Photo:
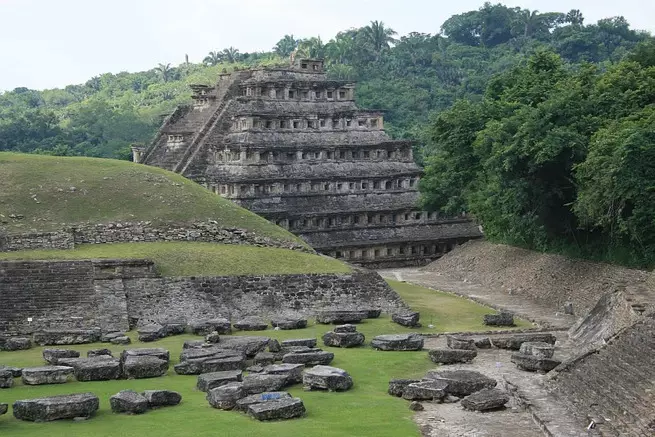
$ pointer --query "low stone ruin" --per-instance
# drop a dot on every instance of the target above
(326, 378)
(131, 402)
(461, 382)
(152, 332)
(162, 398)
(515, 341)
(397, 386)
(538, 349)
(194, 361)
(50, 337)
(208, 381)
(206, 326)
(502, 319)
(426, 390)
(52, 356)
(144, 363)
(70, 406)
(536, 356)
(289, 323)
(309, 357)
(398, 342)
(343, 336)
(46, 375)
(250, 323)
(306, 342)
(15, 344)
(409, 319)
(98, 368)
(451, 356)
(456, 342)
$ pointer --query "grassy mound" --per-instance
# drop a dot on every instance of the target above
(198, 259)
(51, 192)
(365, 410)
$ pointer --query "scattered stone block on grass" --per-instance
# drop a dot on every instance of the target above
(156, 352)
(533, 363)
(207, 326)
(162, 398)
(274, 345)
(373, 313)
(249, 345)
(483, 343)
(343, 339)
(397, 386)
(106, 338)
(56, 407)
(194, 344)
(174, 327)
(515, 341)
(121, 340)
(3, 409)
(46, 375)
(502, 319)
(398, 342)
(251, 323)
(152, 332)
(17, 344)
(207, 381)
(293, 372)
(307, 342)
(432, 390)
(243, 403)
(451, 356)
(144, 366)
(455, 342)
(98, 353)
(416, 406)
(100, 368)
(409, 319)
(485, 400)
(538, 349)
(213, 337)
(209, 359)
(49, 337)
(337, 316)
(279, 409)
(287, 324)
(52, 356)
(345, 328)
(462, 382)
(129, 401)
(311, 357)
(226, 396)
(261, 382)
(326, 378)
(6, 379)
(264, 359)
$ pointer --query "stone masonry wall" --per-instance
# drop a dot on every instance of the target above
(129, 232)
(112, 293)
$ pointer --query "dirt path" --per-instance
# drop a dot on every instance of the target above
(521, 306)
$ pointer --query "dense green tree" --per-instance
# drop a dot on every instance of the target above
(164, 71)
(285, 46)
(213, 58)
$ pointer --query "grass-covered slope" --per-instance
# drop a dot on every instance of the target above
(199, 259)
(51, 192)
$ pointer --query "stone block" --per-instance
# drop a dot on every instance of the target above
(194, 344)
(213, 337)
(373, 313)
(462, 382)
(538, 349)
(485, 400)
(308, 342)
(451, 356)
(515, 341)
(162, 398)
(286, 324)
(274, 345)
(251, 323)
(121, 340)
(397, 386)
(432, 390)
(129, 401)
(46, 375)
(6, 379)
(226, 396)
(17, 344)
(152, 332)
(293, 372)
(502, 319)
(343, 339)
(339, 317)
(206, 326)
(409, 319)
(52, 356)
(533, 363)
(264, 359)
(3, 409)
(278, 409)
(345, 328)
(311, 357)
(260, 383)
(15, 371)
(144, 366)
(249, 345)
(102, 368)
(49, 337)
(483, 343)
(398, 342)
(243, 403)
(156, 352)
(207, 381)
(56, 407)
(455, 342)
(98, 352)
(174, 328)
(106, 338)
(326, 378)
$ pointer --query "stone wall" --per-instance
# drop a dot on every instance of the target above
(112, 294)
(130, 232)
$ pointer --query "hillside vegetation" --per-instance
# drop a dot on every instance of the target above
(198, 259)
(41, 193)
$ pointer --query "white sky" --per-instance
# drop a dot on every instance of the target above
(53, 43)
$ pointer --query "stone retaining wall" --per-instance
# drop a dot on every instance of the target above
(130, 232)
(112, 294)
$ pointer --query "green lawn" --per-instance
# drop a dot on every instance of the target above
(366, 410)
(199, 259)
(51, 192)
